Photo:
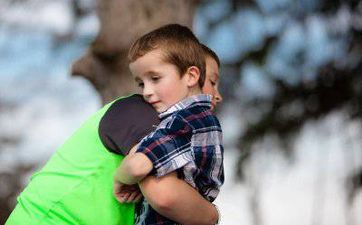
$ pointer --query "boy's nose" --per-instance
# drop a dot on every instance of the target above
(147, 92)
(218, 97)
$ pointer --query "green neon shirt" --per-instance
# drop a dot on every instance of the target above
(76, 184)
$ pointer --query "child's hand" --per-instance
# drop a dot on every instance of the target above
(126, 193)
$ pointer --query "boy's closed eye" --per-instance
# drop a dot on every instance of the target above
(155, 78)
(140, 84)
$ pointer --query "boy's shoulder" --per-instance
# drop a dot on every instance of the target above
(196, 116)
(195, 111)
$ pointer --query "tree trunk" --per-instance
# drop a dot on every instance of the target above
(105, 63)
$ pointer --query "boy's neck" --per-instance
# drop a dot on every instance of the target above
(193, 91)
(186, 102)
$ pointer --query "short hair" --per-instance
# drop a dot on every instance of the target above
(178, 44)
(209, 52)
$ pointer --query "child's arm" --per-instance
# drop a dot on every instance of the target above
(175, 199)
(164, 152)
(134, 167)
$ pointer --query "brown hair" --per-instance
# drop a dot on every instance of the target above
(178, 44)
(211, 53)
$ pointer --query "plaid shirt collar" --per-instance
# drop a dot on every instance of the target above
(200, 99)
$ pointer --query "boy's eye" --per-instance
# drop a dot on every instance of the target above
(213, 83)
(140, 84)
(155, 78)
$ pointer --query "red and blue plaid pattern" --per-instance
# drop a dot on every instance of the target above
(188, 140)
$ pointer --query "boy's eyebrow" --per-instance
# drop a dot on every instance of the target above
(214, 76)
(148, 73)
(151, 72)
(137, 79)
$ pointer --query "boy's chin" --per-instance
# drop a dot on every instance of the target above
(161, 109)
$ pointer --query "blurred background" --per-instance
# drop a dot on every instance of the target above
(291, 78)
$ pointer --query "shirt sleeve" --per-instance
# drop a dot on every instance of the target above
(209, 154)
(169, 147)
(216, 174)
(125, 123)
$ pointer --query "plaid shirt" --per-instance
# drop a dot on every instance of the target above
(188, 140)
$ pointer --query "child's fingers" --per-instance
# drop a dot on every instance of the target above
(117, 187)
(125, 196)
(138, 198)
(132, 196)
(130, 188)
(117, 192)
(126, 193)
(120, 198)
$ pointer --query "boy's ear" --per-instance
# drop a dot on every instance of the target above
(192, 76)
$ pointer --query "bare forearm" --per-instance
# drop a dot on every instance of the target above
(133, 169)
(123, 174)
(176, 200)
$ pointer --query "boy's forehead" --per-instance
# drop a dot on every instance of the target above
(148, 59)
(143, 67)
(150, 63)
(211, 65)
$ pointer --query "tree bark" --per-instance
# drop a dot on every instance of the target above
(105, 63)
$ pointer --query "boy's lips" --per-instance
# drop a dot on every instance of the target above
(155, 102)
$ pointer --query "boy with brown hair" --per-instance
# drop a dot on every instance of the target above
(168, 64)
